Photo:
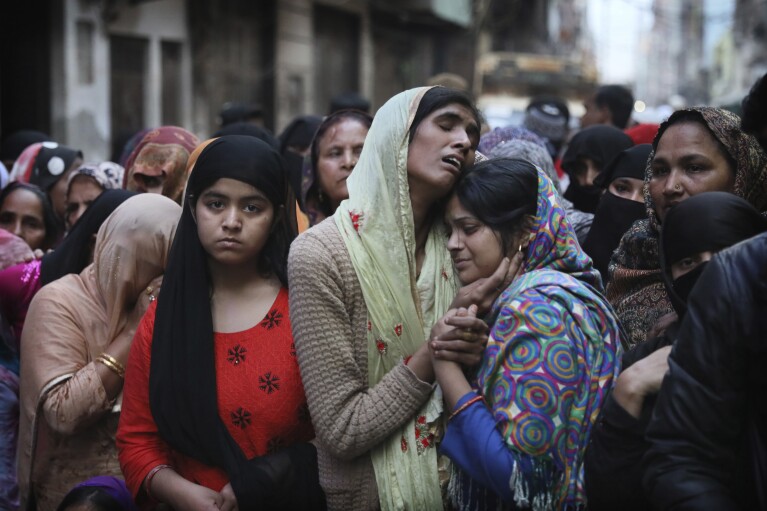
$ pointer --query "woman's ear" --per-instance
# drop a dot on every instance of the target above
(528, 226)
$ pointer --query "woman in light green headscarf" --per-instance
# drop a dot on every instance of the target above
(366, 287)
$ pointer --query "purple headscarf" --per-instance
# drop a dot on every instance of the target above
(114, 487)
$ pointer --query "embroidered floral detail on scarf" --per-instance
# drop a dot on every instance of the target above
(356, 217)
(381, 346)
(423, 437)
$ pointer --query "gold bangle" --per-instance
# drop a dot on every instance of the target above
(117, 364)
(465, 406)
(115, 368)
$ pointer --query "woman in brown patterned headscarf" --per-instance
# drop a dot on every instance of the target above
(696, 150)
(158, 163)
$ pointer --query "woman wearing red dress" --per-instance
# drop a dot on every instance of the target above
(214, 414)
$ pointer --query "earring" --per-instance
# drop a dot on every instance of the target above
(520, 248)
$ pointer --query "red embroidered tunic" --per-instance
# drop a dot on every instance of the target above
(260, 400)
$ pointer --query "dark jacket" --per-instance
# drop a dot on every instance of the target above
(612, 463)
(708, 431)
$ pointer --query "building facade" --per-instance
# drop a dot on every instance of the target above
(93, 72)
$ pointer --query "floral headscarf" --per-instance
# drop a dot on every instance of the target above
(167, 143)
(107, 174)
(636, 287)
(553, 353)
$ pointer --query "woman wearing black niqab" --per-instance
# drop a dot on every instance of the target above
(692, 232)
(587, 154)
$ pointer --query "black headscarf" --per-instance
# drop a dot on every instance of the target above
(51, 164)
(600, 144)
(615, 215)
(72, 254)
(182, 381)
(299, 134)
(17, 141)
(250, 129)
(709, 221)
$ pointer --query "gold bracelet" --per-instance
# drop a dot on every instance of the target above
(115, 366)
(465, 406)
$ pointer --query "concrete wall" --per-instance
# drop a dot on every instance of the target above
(295, 60)
(81, 109)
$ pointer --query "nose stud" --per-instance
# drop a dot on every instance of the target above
(677, 187)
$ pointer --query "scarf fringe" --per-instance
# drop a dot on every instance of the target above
(534, 483)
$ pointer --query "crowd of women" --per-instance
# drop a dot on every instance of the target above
(468, 319)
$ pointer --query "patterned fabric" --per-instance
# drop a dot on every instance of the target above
(107, 174)
(552, 356)
(25, 163)
(162, 150)
(635, 286)
(376, 223)
(513, 142)
(259, 394)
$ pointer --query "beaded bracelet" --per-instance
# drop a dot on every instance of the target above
(150, 476)
(112, 364)
(465, 406)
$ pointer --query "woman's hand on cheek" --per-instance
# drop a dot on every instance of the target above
(483, 292)
(459, 337)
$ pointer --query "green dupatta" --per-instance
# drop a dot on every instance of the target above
(376, 223)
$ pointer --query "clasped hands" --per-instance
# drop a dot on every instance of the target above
(460, 336)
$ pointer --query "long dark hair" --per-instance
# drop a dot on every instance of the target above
(438, 97)
(331, 120)
(50, 221)
(500, 192)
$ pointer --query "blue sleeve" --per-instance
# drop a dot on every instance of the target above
(473, 443)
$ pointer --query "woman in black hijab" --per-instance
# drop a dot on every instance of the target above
(76, 251)
(214, 410)
(587, 154)
(621, 205)
(692, 232)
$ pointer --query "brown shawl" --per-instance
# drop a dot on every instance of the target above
(67, 424)
(636, 288)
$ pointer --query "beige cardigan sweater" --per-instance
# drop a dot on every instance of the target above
(329, 319)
